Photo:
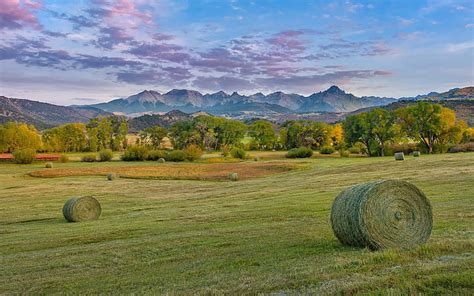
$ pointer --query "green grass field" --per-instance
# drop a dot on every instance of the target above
(262, 235)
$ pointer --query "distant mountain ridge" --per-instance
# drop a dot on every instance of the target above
(332, 100)
(44, 115)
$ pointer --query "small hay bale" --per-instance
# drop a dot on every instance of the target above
(162, 160)
(78, 209)
(382, 214)
(233, 177)
(48, 165)
(416, 153)
(112, 176)
(256, 158)
(399, 156)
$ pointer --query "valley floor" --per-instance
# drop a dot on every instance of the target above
(268, 234)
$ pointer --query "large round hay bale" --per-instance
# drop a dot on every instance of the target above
(48, 165)
(233, 177)
(112, 176)
(382, 214)
(399, 156)
(416, 153)
(78, 209)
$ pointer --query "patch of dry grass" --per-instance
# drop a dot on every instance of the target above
(185, 171)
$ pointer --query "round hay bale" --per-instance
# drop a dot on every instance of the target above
(233, 177)
(162, 160)
(78, 209)
(256, 158)
(416, 153)
(382, 214)
(48, 165)
(112, 176)
(399, 156)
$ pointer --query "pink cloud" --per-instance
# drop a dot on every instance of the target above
(15, 14)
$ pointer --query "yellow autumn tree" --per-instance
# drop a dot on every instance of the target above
(337, 135)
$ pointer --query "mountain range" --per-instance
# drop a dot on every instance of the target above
(331, 100)
(330, 106)
(44, 115)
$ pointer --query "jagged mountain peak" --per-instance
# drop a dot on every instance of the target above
(334, 90)
(182, 92)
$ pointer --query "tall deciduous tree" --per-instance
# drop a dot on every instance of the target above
(263, 134)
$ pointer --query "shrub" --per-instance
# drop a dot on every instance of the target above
(135, 153)
(89, 158)
(326, 150)
(354, 150)
(238, 153)
(344, 153)
(302, 152)
(156, 154)
(24, 156)
(469, 147)
(193, 152)
(105, 155)
(225, 150)
(176, 155)
(64, 158)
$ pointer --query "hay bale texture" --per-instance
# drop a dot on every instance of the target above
(48, 165)
(112, 176)
(161, 160)
(416, 153)
(233, 177)
(78, 209)
(399, 156)
(382, 214)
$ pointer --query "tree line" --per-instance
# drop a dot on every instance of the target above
(431, 127)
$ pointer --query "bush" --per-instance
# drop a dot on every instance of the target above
(135, 153)
(302, 152)
(156, 154)
(193, 152)
(354, 150)
(343, 153)
(469, 147)
(24, 156)
(105, 155)
(225, 151)
(326, 150)
(64, 158)
(176, 155)
(238, 153)
(89, 158)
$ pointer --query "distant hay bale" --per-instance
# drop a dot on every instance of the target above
(416, 153)
(48, 165)
(162, 160)
(78, 209)
(399, 156)
(233, 177)
(382, 214)
(256, 158)
(112, 176)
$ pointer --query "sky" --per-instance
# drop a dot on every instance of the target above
(88, 51)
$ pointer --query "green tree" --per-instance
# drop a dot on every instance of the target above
(431, 124)
(357, 129)
(16, 136)
(153, 136)
(263, 134)
(382, 126)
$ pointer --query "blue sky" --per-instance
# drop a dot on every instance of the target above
(80, 52)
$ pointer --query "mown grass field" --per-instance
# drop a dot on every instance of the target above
(267, 234)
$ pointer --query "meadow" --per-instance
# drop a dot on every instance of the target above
(266, 233)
